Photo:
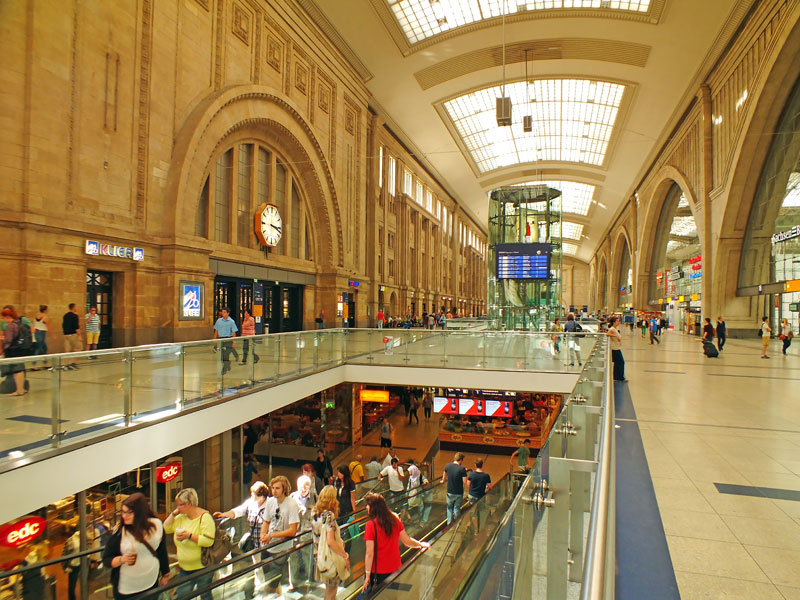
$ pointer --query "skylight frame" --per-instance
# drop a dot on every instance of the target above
(573, 121)
(576, 197)
(571, 231)
(420, 20)
(569, 248)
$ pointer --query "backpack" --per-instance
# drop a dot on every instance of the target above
(24, 339)
(216, 552)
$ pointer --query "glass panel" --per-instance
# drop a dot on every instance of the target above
(157, 379)
(236, 373)
(202, 365)
(266, 349)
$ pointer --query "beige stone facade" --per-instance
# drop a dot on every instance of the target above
(141, 124)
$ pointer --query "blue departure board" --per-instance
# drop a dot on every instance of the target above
(523, 261)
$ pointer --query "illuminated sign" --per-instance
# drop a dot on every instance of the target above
(374, 396)
(786, 235)
(523, 261)
(22, 532)
(695, 259)
(191, 300)
(789, 286)
(168, 472)
(473, 407)
(353, 283)
(94, 248)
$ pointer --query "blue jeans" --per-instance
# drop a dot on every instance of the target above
(197, 583)
(39, 342)
(453, 506)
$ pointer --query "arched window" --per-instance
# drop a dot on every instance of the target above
(242, 178)
(676, 267)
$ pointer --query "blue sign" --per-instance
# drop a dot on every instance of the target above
(191, 298)
(354, 284)
(95, 248)
(523, 261)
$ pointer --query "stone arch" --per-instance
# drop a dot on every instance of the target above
(602, 283)
(224, 116)
(666, 178)
(393, 304)
(621, 244)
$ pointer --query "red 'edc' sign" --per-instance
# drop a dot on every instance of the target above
(22, 532)
(168, 472)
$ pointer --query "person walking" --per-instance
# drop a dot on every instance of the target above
(278, 531)
(456, 477)
(194, 529)
(557, 337)
(92, 330)
(15, 346)
(642, 323)
(323, 467)
(248, 329)
(382, 535)
(225, 328)
(766, 330)
(254, 508)
(380, 318)
(373, 468)
(653, 331)
(395, 474)
(722, 333)
(427, 403)
(40, 328)
(71, 328)
(324, 524)
(786, 334)
(137, 550)
(615, 340)
(573, 341)
(320, 320)
(387, 432)
(523, 455)
(412, 412)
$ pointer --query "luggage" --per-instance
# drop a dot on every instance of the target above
(710, 350)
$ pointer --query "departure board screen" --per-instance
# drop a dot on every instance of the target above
(523, 261)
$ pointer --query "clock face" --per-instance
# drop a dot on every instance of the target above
(269, 225)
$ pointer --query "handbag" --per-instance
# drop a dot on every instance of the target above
(329, 563)
(782, 337)
(216, 552)
(373, 576)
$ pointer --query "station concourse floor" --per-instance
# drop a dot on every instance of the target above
(721, 441)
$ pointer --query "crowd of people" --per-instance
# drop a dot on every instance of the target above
(433, 320)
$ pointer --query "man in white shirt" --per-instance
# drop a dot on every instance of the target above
(392, 454)
(395, 474)
(281, 522)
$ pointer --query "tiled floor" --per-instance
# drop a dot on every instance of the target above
(731, 420)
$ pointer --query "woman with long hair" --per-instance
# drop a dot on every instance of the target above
(324, 523)
(137, 550)
(345, 490)
(381, 534)
(9, 350)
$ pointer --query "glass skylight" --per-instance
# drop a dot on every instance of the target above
(792, 198)
(575, 197)
(683, 202)
(684, 227)
(571, 230)
(572, 122)
(567, 248)
(421, 19)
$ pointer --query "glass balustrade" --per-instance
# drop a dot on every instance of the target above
(85, 395)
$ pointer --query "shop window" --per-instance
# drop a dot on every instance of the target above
(201, 217)
(244, 217)
(222, 196)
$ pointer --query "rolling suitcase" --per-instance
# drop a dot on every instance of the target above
(710, 350)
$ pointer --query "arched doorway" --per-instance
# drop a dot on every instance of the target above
(624, 284)
(393, 304)
(677, 263)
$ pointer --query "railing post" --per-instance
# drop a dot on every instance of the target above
(444, 346)
(55, 403)
(127, 383)
(485, 343)
(182, 362)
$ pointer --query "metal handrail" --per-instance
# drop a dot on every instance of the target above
(594, 569)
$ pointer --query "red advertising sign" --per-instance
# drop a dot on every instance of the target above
(477, 407)
(17, 534)
(168, 472)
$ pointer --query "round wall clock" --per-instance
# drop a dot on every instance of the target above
(269, 225)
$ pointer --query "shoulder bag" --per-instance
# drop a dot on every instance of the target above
(216, 552)
(329, 563)
(373, 576)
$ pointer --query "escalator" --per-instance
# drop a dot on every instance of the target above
(245, 575)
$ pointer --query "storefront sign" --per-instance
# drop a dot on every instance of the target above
(381, 396)
(353, 283)
(696, 275)
(168, 472)
(94, 248)
(695, 297)
(790, 286)
(191, 297)
(473, 407)
(22, 532)
(786, 235)
(793, 307)
(695, 259)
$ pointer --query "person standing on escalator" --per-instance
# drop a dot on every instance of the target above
(456, 477)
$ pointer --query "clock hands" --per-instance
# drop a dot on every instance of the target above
(275, 227)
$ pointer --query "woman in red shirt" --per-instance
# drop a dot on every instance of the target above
(381, 534)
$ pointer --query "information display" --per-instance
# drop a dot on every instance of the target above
(523, 261)
(473, 407)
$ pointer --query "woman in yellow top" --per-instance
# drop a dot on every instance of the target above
(194, 530)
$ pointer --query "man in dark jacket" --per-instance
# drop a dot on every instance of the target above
(722, 333)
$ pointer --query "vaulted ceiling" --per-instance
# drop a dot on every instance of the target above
(603, 82)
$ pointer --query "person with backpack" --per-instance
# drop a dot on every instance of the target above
(17, 342)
